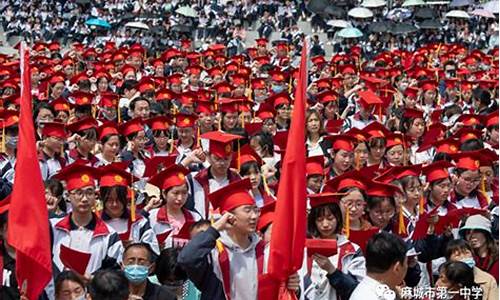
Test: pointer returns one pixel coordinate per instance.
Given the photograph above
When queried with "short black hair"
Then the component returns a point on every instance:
(128, 85)
(167, 268)
(109, 285)
(456, 245)
(321, 211)
(472, 145)
(458, 273)
(383, 251)
(151, 254)
(135, 100)
(70, 276)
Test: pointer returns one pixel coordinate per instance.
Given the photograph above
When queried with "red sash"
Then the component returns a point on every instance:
(226, 269)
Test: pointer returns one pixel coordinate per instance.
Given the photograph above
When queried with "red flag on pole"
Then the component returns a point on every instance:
(28, 222)
(289, 226)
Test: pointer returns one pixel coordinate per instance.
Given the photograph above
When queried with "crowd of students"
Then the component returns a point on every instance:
(167, 168)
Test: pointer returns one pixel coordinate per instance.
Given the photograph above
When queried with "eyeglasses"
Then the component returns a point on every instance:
(89, 193)
(471, 180)
(385, 214)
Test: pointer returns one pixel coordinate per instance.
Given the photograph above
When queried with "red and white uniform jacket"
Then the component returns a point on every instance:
(163, 229)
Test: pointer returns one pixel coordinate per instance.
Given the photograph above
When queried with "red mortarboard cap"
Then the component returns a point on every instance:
(376, 130)
(467, 133)
(81, 98)
(398, 172)
(437, 171)
(79, 77)
(60, 104)
(77, 176)
(204, 107)
(109, 99)
(263, 60)
(127, 69)
(378, 189)
(342, 142)
(428, 85)
(220, 143)
(368, 97)
(57, 77)
(194, 70)
(261, 42)
(413, 113)
(314, 165)
(324, 83)
(107, 128)
(146, 84)
(258, 83)
(54, 129)
(131, 126)
(113, 175)
(164, 95)
(185, 120)
(266, 215)
(451, 83)
(188, 98)
(347, 180)
(436, 115)
(358, 134)
(228, 105)
(327, 96)
(222, 87)
(82, 124)
(253, 128)
(347, 69)
(156, 164)
(232, 196)
(9, 118)
(278, 99)
(277, 75)
(215, 71)
(491, 119)
(448, 146)
(470, 119)
(411, 92)
(173, 175)
(247, 154)
(158, 123)
(318, 60)
(175, 78)
(265, 112)
(324, 198)
(325, 247)
(238, 79)
(395, 139)
(467, 160)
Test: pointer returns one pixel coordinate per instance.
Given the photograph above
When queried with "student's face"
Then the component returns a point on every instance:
(141, 110)
(83, 199)
(468, 181)
(219, 164)
(246, 218)
(314, 183)
(313, 124)
(161, 140)
(377, 152)
(441, 191)
(326, 225)
(382, 213)
(111, 147)
(113, 206)
(460, 255)
(176, 196)
(255, 178)
(395, 155)
(70, 290)
(417, 128)
(355, 203)
(230, 120)
(361, 152)
(343, 160)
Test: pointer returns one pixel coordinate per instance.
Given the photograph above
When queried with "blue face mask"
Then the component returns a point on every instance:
(277, 89)
(469, 261)
(136, 273)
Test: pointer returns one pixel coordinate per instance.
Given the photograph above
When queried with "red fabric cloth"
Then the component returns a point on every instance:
(289, 227)
(29, 235)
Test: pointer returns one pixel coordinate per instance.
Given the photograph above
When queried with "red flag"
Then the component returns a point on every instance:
(28, 223)
(289, 226)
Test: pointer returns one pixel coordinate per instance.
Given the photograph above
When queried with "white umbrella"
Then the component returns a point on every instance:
(350, 33)
(492, 6)
(437, 2)
(339, 23)
(483, 13)
(138, 25)
(457, 14)
(373, 3)
(187, 11)
(408, 3)
(360, 12)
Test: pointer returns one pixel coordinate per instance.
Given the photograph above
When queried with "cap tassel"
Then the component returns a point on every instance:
(401, 229)
(483, 189)
(132, 204)
(290, 85)
(3, 140)
(357, 161)
(347, 227)
(421, 204)
(266, 186)
(238, 160)
(198, 136)
(94, 110)
(119, 114)
(218, 243)
(242, 117)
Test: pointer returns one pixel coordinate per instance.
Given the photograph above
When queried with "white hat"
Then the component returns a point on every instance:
(477, 222)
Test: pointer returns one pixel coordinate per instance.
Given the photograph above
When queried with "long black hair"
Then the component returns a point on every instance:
(321, 211)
